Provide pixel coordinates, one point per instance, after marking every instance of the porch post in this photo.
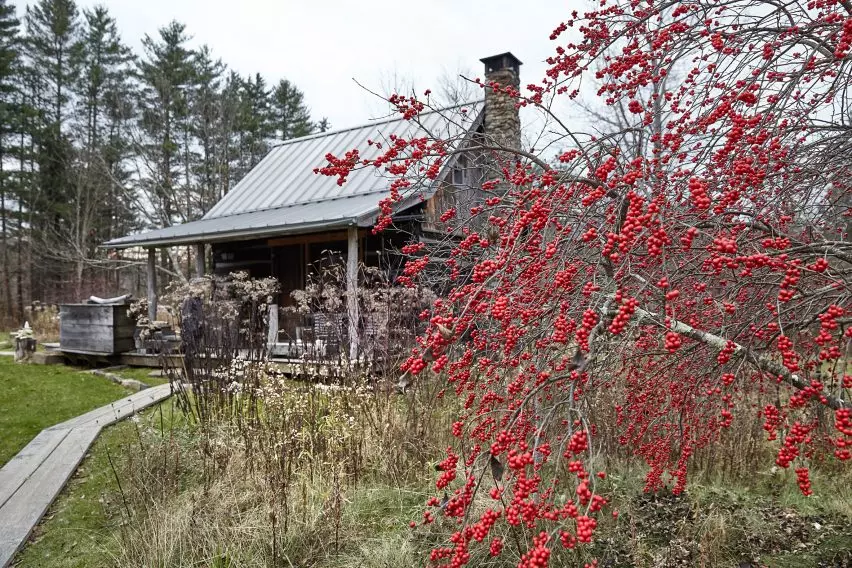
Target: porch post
(199, 259)
(272, 336)
(352, 291)
(152, 284)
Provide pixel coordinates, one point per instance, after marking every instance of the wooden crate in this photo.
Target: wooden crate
(95, 328)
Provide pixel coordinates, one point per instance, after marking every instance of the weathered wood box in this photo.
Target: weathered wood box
(95, 328)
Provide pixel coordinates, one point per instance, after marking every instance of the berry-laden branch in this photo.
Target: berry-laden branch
(738, 351)
(638, 289)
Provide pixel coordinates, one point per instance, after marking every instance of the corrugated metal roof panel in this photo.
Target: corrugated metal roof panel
(283, 194)
(285, 176)
(298, 218)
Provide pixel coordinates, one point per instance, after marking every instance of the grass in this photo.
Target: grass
(38, 396)
(194, 497)
(80, 528)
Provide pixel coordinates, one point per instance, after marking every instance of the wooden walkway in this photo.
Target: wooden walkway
(32, 479)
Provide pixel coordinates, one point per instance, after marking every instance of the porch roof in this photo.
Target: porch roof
(282, 194)
(291, 219)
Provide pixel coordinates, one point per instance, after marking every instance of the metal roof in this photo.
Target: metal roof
(282, 194)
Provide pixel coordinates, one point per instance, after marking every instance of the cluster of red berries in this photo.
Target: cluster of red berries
(725, 354)
(673, 341)
(481, 528)
(688, 237)
(447, 469)
(819, 265)
(500, 307)
(577, 444)
(340, 167)
(845, 42)
(843, 421)
(496, 546)
(561, 330)
(799, 434)
(625, 312)
(538, 556)
(803, 479)
(483, 270)
(518, 461)
(586, 528)
(698, 194)
(789, 357)
(772, 420)
(788, 284)
(584, 494)
(415, 266)
(590, 320)
(568, 540)
(725, 245)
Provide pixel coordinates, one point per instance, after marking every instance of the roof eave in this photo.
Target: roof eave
(242, 234)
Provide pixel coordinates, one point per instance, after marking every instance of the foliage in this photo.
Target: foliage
(691, 282)
(98, 141)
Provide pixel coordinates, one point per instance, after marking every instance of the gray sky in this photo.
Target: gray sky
(321, 45)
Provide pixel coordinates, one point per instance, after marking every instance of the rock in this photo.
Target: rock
(133, 384)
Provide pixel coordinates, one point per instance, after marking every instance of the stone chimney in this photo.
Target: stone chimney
(502, 123)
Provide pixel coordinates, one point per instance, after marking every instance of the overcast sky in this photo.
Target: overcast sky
(322, 45)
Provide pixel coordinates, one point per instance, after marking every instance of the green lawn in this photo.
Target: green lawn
(81, 527)
(35, 397)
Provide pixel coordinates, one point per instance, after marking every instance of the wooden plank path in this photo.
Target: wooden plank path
(31, 480)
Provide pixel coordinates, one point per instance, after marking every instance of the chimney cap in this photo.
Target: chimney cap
(502, 61)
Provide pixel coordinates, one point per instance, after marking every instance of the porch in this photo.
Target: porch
(295, 261)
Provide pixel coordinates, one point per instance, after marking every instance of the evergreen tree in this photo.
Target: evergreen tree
(255, 126)
(291, 117)
(228, 135)
(208, 113)
(165, 75)
(105, 64)
(53, 50)
(95, 144)
(9, 63)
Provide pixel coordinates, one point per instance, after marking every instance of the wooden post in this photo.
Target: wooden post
(272, 338)
(352, 291)
(199, 259)
(152, 284)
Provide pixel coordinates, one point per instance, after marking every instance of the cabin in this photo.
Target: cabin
(281, 217)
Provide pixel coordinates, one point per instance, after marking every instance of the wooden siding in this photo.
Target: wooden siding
(95, 328)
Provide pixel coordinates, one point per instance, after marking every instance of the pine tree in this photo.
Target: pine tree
(105, 64)
(209, 114)
(165, 74)
(9, 63)
(254, 124)
(53, 50)
(228, 135)
(291, 117)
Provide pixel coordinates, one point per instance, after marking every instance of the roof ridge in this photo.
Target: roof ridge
(298, 203)
(281, 143)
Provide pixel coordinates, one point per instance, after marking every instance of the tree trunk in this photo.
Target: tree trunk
(20, 271)
(7, 288)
